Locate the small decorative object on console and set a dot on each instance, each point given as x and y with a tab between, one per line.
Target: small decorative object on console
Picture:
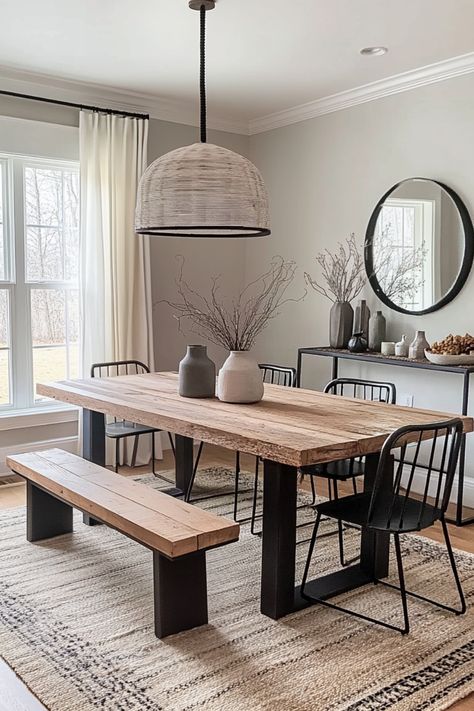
377	331
452	350
361	320
454	345
387	348
401	348
418	346
357	343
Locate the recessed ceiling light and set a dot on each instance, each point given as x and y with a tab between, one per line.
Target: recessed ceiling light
373	51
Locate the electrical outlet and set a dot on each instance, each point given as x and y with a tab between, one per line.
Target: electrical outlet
405	399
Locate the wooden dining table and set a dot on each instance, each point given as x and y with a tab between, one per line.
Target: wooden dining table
288	429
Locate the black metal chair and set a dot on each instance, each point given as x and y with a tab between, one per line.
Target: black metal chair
349	469
277	375
390	506
119	429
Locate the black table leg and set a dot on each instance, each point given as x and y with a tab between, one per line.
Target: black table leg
93	446
279	596
375	545
184	455
180	593
46	516
278	539
374	553
298	369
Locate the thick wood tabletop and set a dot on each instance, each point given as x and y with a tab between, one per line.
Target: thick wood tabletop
290	425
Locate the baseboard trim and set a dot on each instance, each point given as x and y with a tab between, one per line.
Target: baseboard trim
70	444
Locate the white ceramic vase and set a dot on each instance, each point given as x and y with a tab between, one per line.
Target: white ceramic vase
240	379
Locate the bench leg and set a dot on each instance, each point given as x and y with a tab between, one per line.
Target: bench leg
180	591
93	446
46	516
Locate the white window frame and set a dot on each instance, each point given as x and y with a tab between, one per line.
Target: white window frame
424	235
22	392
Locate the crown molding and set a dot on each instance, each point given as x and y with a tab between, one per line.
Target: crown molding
33	83
431	74
12	79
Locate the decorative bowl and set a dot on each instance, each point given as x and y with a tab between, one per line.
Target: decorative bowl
438	359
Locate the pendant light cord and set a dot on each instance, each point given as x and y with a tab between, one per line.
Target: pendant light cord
203	74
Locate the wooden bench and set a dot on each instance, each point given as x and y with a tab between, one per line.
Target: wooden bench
177	533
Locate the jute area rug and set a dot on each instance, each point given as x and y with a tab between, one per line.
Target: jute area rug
76	624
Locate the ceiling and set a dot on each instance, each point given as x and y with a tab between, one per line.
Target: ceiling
263	56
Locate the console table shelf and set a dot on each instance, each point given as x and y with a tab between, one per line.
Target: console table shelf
421	363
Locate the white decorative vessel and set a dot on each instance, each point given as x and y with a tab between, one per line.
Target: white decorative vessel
240	379
401	348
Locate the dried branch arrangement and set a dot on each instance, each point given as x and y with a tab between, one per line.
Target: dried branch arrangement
400	275
234	323
343	272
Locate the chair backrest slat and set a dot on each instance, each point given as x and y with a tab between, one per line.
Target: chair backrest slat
428	478
112	369
410	477
373	390
278	374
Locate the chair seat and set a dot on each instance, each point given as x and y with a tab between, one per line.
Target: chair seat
342	470
126	429
354	509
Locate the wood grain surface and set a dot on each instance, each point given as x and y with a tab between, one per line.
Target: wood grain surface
155	519
291	426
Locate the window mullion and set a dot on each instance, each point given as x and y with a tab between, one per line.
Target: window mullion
21	326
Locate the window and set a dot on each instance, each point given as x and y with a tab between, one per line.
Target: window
405	244
39	276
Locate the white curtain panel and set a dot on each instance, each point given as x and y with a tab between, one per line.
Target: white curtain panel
115	262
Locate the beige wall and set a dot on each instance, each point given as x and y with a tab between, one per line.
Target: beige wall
324	178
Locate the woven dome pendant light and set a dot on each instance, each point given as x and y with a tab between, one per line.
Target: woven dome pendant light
202	190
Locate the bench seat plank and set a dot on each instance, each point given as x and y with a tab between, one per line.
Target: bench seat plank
211	529
160	522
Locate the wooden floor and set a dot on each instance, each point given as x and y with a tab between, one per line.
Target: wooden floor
17	697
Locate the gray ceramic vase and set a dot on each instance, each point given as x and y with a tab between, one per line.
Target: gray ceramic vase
341	320
361	320
377	331
197	374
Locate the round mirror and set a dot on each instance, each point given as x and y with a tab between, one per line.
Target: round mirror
419	246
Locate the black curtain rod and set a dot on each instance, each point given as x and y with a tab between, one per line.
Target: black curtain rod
73	105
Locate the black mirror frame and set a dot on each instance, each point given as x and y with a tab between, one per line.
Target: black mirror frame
465	266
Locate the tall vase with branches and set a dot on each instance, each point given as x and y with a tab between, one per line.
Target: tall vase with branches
344	275
235	323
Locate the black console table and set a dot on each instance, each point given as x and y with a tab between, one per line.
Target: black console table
373	357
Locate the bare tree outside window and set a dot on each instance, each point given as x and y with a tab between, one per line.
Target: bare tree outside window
52	259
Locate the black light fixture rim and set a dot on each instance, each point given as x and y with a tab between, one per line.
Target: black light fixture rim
466	265
175	231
